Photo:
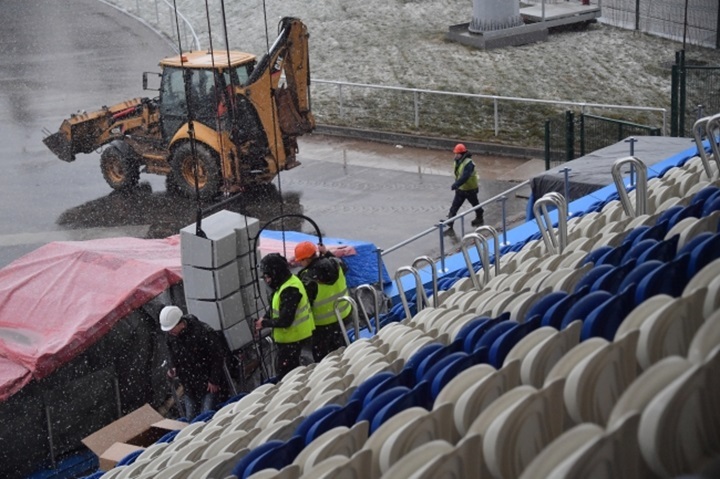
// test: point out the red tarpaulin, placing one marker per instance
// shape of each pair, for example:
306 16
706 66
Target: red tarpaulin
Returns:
60 299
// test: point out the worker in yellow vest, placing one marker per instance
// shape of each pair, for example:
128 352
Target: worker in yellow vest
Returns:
290 316
323 275
465 185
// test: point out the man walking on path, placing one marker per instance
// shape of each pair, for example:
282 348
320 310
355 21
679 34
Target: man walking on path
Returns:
290 316
465 185
324 280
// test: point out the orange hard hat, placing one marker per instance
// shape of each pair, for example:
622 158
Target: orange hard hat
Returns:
459 148
305 250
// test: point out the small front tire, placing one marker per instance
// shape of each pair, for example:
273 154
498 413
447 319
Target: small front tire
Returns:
208 171
120 171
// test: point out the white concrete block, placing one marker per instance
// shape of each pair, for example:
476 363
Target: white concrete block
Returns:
239 335
246 234
219 314
220 246
246 269
210 284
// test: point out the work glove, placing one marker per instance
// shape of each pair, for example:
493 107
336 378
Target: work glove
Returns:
454 187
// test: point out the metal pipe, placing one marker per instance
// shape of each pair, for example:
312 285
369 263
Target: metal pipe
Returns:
376 304
341 324
712 125
417 109
640 189
481 246
427 259
496 244
402 271
555 239
699 129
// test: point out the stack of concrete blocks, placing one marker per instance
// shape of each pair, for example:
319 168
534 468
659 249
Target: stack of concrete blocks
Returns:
218 275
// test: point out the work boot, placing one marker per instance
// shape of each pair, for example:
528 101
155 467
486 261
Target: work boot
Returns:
479 220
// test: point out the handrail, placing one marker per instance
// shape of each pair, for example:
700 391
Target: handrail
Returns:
640 187
496 244
427 259
187 23
341 324
700 127
557 241
482 255
495 98
712 125
419 290
376 304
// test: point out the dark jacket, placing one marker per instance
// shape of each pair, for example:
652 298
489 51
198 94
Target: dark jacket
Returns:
197 355
324 269
467 171
289 301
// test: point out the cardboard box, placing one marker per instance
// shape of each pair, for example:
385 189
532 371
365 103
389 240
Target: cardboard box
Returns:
212 284
136 430
219 314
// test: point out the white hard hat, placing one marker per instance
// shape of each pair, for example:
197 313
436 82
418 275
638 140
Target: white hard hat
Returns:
170 317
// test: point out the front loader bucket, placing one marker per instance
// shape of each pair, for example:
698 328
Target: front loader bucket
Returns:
60 146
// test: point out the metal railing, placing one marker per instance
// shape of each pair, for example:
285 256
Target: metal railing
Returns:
440 229
417 94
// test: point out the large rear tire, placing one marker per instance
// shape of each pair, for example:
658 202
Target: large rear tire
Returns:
208 171
121 171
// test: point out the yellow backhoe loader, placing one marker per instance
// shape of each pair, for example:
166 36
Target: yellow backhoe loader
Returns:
223 120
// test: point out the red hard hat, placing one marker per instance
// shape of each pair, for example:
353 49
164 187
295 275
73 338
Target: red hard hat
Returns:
459 148
305 250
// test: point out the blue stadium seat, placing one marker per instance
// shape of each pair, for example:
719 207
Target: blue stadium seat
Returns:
690 245
169 436
704 253
634 233
493 333
656 232
611 280
639 248
345 416
670 278
469 326
476 333
594 255
312 418
233 399
203 416
254 454
589 278
445 370
639 272
434 357
606 318
417 358
403 378
711 205
554 316
506 341
544 303
367 413
584 306
704 194
130 458
693 210
669 213
419 396
662 251
276 458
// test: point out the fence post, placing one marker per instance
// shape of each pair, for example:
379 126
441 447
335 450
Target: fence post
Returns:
157 14
582 133
674 101
547 145
417 109
497 117
681 109
502 200
569 136
340 98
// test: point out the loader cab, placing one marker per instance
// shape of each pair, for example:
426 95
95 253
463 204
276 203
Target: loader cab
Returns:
207 87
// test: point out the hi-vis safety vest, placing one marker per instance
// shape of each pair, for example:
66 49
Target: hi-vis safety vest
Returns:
472 182
303 325
323 308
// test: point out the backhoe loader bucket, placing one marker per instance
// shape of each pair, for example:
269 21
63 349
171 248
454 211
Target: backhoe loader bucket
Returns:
59 144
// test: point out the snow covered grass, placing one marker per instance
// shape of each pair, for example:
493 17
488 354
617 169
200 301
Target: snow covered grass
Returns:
402 43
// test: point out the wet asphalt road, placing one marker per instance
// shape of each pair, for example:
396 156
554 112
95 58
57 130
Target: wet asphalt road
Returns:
59 57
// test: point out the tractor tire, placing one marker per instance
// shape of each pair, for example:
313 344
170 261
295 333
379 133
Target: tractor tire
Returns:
208 171
121 171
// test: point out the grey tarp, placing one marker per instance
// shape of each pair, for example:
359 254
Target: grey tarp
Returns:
592 172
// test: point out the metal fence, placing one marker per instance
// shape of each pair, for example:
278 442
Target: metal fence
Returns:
473 117
567 138
695 93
